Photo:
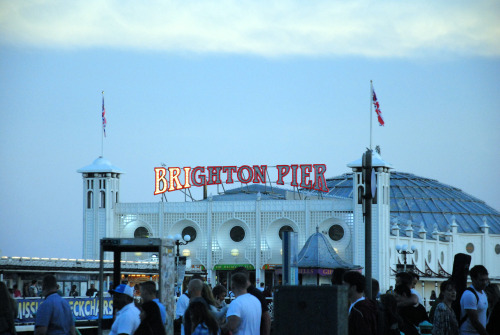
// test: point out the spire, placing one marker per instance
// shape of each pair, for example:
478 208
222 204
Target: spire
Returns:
422 232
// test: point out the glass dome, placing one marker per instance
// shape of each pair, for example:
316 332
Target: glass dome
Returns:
426 200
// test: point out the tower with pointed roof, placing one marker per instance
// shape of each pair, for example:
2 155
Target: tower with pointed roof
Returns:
380 218
101 189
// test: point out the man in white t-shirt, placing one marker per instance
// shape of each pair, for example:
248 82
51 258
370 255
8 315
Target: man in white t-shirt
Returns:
474 303
244 312
128 316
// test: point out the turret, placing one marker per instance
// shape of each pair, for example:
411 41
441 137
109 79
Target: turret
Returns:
101 188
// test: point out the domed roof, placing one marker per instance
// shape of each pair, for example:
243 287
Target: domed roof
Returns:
427 201
318 253
101 164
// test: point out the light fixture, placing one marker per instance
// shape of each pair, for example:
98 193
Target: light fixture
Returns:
235 252
403 250
186 252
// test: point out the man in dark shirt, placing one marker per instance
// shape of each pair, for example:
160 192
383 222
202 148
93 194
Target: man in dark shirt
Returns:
151 323
412 315
195 287
363 311
91 291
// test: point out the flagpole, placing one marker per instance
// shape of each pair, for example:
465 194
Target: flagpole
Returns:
371 112
102 130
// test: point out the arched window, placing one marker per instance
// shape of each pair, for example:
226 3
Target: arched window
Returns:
90 199
360 195
141 232
102 203
283 229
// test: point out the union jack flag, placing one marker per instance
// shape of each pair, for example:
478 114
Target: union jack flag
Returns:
103 117
377 109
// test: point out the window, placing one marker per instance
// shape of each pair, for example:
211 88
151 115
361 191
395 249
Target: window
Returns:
90 199
102 203
284 229
469 248
429 256
497 249
141 232
360 195
442 257
237 234
189 231
336 232
416 255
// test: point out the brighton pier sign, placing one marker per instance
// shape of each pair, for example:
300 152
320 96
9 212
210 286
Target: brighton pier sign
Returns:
307 176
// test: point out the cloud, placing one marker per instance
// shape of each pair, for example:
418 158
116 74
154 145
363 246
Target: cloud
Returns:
267 28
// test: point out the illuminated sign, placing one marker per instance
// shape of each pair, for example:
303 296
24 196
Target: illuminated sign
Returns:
308 176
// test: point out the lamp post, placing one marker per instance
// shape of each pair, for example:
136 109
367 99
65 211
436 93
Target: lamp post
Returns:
178 242
177 238
403 250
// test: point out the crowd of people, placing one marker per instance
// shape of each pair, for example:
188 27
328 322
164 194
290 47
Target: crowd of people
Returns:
202 310
400 310
33 290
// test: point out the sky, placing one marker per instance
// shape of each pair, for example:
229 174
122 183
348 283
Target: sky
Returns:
234 83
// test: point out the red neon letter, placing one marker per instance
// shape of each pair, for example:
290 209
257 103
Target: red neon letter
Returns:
241 178
186 177
160 173
282 172
202 176
319 178
213 175
305 172
229 170
294 175
259 172
173 176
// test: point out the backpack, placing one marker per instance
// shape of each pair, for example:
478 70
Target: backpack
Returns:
462 320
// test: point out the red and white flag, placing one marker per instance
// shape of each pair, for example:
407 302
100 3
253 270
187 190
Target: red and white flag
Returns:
103 117
377 108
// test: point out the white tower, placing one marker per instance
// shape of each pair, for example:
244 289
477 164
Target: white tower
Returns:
380 219
101 186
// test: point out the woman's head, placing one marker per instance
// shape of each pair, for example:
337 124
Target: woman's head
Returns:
206 293
200 313
448 290
219 292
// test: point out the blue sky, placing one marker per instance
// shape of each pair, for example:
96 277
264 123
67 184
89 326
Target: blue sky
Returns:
233 83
